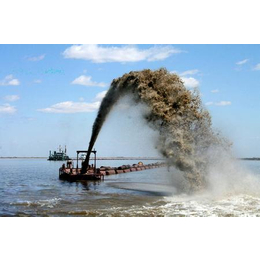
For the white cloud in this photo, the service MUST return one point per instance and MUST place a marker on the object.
(190, 82)
(257, 67)
(37, 81)
(189, 72)
(70, 107)
(9, 80)
(242, 62)
(36, 58)
(87, 81)
(7, 109)
(127, 53)
(221, 103)
(11, 98)
(101, 95)
(214, 91)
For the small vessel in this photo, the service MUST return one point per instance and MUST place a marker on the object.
(59, 156)
(70, 172)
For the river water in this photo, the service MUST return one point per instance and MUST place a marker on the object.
(30, 187)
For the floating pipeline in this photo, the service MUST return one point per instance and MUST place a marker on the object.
(74, 174)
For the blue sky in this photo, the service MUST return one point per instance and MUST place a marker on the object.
(49, 95)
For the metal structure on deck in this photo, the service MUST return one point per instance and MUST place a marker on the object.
(69, 173)
(95, 158)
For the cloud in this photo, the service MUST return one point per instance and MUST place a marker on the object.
(190, 82)
(7, 109)
(9, 80)
(37, 81)
(101, 95)
(221, 103)
(242, 62)
(189, 72)
(214, 91)
(257, 67)
(70, 107)
(127, 53)
(12, 98)
(36, 58)
(87, 81)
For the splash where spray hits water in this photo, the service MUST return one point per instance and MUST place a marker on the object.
(183, 124)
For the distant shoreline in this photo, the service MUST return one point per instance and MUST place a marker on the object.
(113, 158)
(98, 158)
(250, 159)
(22, 157)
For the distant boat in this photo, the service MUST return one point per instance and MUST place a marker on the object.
(59, 156)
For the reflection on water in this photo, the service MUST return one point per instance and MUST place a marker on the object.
(30, 187)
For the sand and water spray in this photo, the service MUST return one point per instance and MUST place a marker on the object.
(186, 139)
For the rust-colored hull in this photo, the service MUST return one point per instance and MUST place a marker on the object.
(80, 177)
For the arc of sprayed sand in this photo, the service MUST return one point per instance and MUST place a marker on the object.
(178, 111)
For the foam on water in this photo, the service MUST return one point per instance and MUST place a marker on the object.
(49, 203)
(233, 206)
(184, 206)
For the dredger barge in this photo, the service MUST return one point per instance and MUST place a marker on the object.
(70, 173)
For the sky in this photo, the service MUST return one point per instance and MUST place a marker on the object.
(49, 95)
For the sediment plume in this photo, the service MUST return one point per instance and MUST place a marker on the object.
(177, 113)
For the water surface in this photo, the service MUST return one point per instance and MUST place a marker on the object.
(30, 187)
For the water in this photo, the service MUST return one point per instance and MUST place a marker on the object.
(30, 187)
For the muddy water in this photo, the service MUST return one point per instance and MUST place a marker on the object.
(32, 188)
